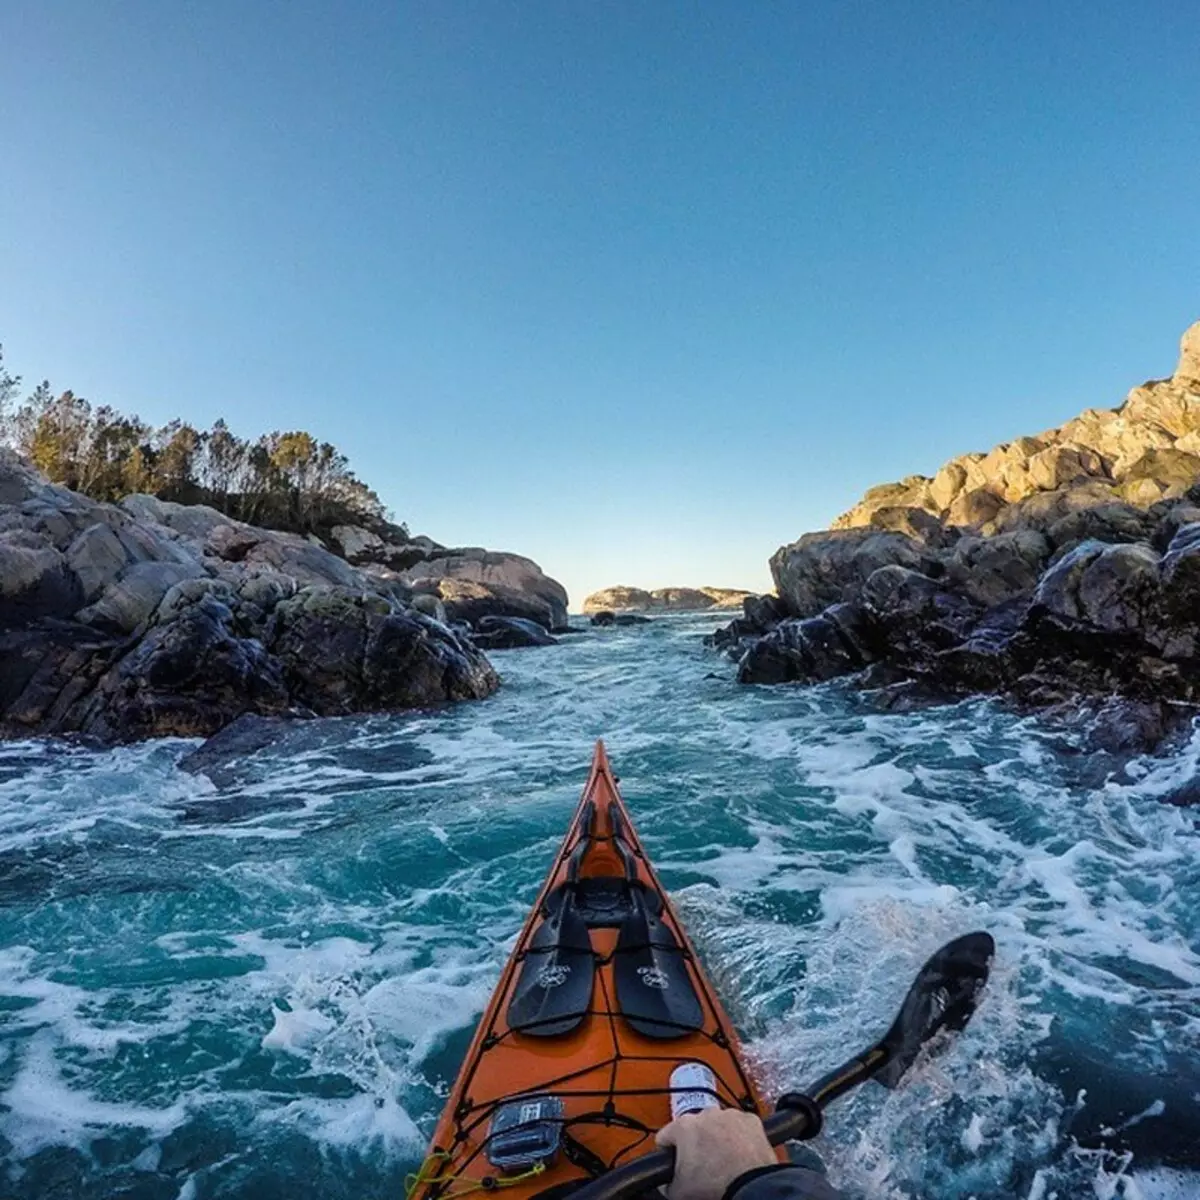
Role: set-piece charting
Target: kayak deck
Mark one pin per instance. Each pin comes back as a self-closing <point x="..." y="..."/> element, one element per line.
<point x="601" y="999"/>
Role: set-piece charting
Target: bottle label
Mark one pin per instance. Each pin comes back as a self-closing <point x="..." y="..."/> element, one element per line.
<point x="693" y="1089"/>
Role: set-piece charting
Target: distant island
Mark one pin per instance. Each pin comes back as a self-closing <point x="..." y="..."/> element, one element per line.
<point x="673" y="599"/>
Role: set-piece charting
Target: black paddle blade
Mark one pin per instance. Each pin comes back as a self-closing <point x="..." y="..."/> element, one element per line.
<point x="654" y="990"/>
<point x="554" y="991"/>
<point x="943" y="996"/>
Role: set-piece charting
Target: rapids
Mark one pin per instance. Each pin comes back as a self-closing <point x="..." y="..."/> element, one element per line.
<point x="261" y="986"/>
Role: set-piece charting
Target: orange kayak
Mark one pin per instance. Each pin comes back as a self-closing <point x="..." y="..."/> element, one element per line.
<point x="569" y="1072"/>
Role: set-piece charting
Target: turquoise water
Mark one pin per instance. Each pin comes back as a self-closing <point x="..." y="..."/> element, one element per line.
<point x="262" y="987"/>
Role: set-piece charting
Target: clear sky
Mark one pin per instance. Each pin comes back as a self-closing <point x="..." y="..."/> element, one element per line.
<point x="642" y="290"/>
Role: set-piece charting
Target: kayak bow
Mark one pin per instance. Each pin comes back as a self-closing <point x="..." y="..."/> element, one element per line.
<point x="568" y="1075"/>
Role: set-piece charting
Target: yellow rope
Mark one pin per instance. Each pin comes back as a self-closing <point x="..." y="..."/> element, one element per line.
<point x="425" y="1175"/>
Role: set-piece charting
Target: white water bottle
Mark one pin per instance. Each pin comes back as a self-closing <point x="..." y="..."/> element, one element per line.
<point x="693" y="1089"/>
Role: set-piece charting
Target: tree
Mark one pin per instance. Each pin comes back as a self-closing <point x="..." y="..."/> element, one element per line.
<point x="9" y="386"/>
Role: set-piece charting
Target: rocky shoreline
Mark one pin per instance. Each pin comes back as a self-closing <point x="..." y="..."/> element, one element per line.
<point x="1062" y="571"/>
<point x="149" y="618"/>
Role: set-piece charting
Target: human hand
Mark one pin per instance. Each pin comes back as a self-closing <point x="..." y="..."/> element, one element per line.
<point x="712" y="1148"/>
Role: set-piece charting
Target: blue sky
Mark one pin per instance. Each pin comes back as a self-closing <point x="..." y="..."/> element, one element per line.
<point x="642" y="290"/>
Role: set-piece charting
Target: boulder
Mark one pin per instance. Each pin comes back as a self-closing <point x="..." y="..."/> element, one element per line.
<point x="505" y="574"/>
<point x="827" y="568"/>
<point x="837" y="642"/>
<point x="603" y="617"/>
<point x="509" y="633"/>
<point x="344" y="651"/>
<point x="1103" y="523"/>
<point x="915" y="523"/>
<point x="975" y="508"/>
<point x="468" y="602"/>
<point x="1115" y="588"/>
<point x="35" y="581"/>
<point x="356" y="543"/>
<point x="132" y="600"/>
<point x="993" y="570"/>
<point x="98" y="556"/>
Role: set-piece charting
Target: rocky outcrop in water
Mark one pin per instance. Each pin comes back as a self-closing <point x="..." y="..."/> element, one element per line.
<point x="631" y="599"/>
<point x="1060" y="570"/>
<point x="473" y="583"/>
<point x="150" y="618"/>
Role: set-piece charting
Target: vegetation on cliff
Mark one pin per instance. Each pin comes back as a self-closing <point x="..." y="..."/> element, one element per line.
<point x="281" y="480"/>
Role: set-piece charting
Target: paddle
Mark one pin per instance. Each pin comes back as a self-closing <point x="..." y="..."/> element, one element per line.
<point x="942" y="997"/>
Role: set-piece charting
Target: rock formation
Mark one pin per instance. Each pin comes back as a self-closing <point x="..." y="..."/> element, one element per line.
<point x="1146" y="450"/>
<point x="631" y="599"/>
<point x="473" y="583"/>
<point x="151" y="618"/>
<point x="1052" y="568"/>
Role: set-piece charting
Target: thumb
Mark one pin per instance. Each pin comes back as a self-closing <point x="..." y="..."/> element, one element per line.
<point x="668" y="1136"/>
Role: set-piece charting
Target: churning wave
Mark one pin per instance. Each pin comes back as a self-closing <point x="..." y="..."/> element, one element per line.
<point x="263" y="984"/>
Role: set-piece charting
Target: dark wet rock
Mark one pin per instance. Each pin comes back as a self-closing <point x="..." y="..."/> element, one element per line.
<point x="1186" y="795"/>
<point x="252" y="748"/>
<point x="509" y="633"/>
<point x="915" y="616"/>
<point x="997" y="569"/>
<point x="760" y="614"/>
<point x="604" y="618"/>
<point x="631" y="619"/>
<point x="1103" y="586"/>
<point x="835" y="643"/>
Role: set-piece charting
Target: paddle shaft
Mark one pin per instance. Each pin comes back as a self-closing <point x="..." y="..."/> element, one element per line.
<point x="655" y="1170"/>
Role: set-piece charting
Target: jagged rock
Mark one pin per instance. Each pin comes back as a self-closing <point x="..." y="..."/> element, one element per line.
<point x="1104" y="523"/>
<point x="976" y="508"/>
<point x="760" y="614"/>
<point x="356" y="543"/>
<point x="35" y="582"/>
<point x="915" y="523"/>
<point x="1108" y="587"/>
<point x="915" y="616"/>
<point x="152" y="618"/>
<point x="509" y="633"/>
<point x="130" y="601"/>
<point x="826" y="568"/>
<point x="816" y="648"/>
<point x="1058" y="597"/>
<point x="993" y="570"/>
